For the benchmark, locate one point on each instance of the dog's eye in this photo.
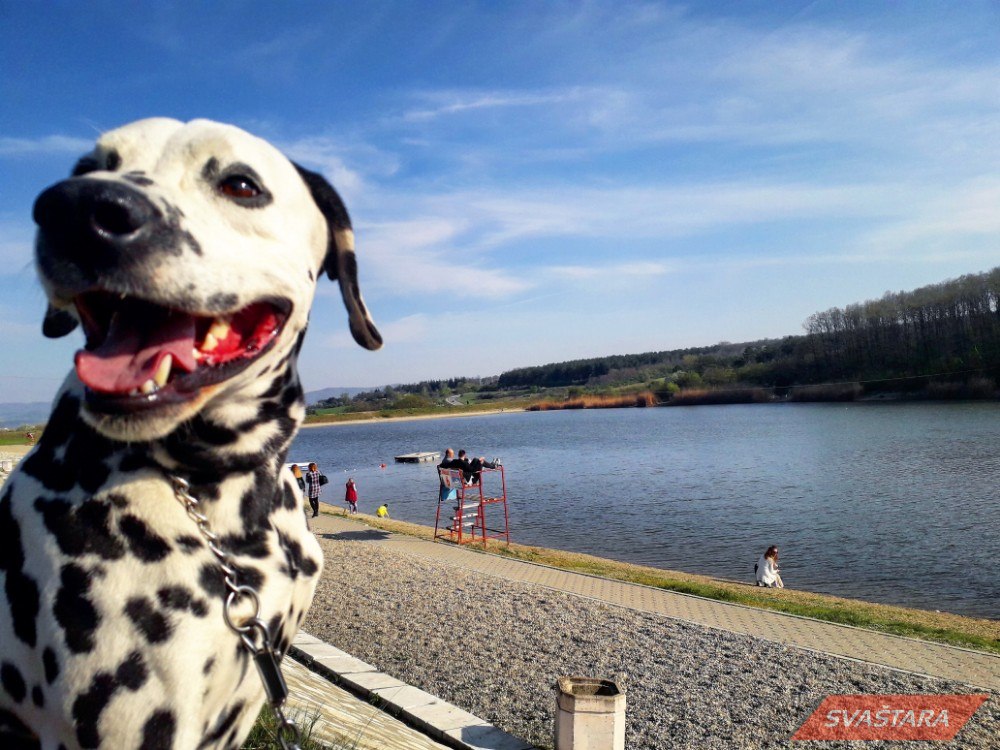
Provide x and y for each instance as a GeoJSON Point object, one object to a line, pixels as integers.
{"type": "Point", "coordinates": [239, 187]}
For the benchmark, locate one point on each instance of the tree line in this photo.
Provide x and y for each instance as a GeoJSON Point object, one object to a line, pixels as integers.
{"type": "Point", "coordinates": [945, 333]}
{"type": "Point", "coordinates": [938, 336]}
{"type": "Point", "coordinates": [947, 328]}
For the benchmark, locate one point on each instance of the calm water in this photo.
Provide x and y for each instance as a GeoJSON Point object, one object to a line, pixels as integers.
{"type": "Point", "coordinates": [893, 503]}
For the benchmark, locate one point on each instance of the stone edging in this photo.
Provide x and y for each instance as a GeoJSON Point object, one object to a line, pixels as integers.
{"type": "Point", "coordinates": [424, 712]}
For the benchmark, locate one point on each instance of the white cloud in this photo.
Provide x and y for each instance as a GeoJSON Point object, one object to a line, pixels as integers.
{"type": "Point", "coordinates": [15, 258]}
{"type": "Point", "coordinates": [16, 248]}
{"type": "Point", "coordinates": [951, 219]}
{"type": "Point", "coordinates": [486, 219]}
{"type": "Point", "coordinates": [428, 255]}
{"type": "Point", "coordinates": [44, 146]}
{"type": "Point", "coordinates": [612, 271]}
{"type": "Point", "coordinates": [451, 102]}
{"type": "Point", "coordinates": [409, 329]}
{"type": "Point", "coordinates": [323, 154]}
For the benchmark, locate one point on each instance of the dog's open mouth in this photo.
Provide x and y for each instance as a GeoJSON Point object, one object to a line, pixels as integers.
{"type": "Point", "coordinates": [140, 354]}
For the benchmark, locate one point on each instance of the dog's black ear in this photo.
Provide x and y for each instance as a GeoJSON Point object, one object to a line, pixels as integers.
{"type": "Point", "coordinates": [341, 264]}
{"type": "Point", "coordinates": [57, 323]}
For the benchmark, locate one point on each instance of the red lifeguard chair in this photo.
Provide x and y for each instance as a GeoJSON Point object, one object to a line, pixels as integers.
{"type": "Point", "coordinates": [468, 506]}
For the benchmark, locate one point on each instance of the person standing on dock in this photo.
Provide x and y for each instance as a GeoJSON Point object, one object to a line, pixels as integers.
{"type": "Point", "coordinates": [351, 497]}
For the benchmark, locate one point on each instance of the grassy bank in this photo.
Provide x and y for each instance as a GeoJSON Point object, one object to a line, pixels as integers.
{"type": "Point", "coordinates": [19, 436]}
{"type": "Point", "coordinates": [942, 627]}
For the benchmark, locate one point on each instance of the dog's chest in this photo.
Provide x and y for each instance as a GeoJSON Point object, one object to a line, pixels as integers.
{"type": "Point", "coordinates": [126, 614]}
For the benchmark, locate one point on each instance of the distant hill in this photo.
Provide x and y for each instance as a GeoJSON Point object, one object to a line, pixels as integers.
{"type": "Point", "coordinates": [313, 397]}
{"type": "Point", "coordinates": [36, 412]}
{"type": "Point", "coordinates": [15, 415]}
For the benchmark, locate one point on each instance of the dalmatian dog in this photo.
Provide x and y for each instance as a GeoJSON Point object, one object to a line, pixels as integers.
{"type": "Point", "coordinates": [189, 254]}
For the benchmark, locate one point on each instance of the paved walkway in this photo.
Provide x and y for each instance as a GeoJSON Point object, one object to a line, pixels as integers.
{"type": "Point", "coordinates": [971, 667]}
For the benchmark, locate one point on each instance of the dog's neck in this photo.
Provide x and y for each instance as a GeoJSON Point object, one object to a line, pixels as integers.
{"type": "Point", "coordinates": [248, 433]}
{"type": "Point", "coordinates": [248, 430]}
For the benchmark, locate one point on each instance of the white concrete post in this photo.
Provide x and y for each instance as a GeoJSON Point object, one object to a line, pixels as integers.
{"type": "Point", "coordinates": [590, 714]}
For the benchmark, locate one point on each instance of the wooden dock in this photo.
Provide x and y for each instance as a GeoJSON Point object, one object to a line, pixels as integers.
{"type": "Point", "coordinates": [418, 458]}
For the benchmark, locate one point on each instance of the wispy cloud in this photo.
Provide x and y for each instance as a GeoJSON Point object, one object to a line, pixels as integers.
{"type": "Point", "coordinates": [323, 154]}
{"type": "Point", "coordinates": [486, 219]}
{"type": "Point", "coordinates": [611, 271]}
{"type": "Point", "coordinates": [430, 255]}
{"type": "Point", "coordinates": [406, 330]}
{"type": "Point", "coordinates": [44, 146]}
{"type": "Point", "coordinates": [962, 215]}
{"type": "Point", "coordinates": [444, 103]}
{"type": "Point", "coordinates": [16, 254]}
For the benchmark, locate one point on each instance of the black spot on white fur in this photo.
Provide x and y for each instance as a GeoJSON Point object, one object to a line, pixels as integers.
{"type": "Point", "coordinates": [142, 541]}
{"type": "Point", "coordinates": [51, 664]}
{"type": "Point", "coordinates": [12, 681]}
{"type": "Point", "coordinates": [158, 731]}
{"type": "Point", "coordinates": [154, 625]}
{"type": "Point", "coordinates": [81, 529]}
{"type": "Point", "coordinates": [74, 611]}
{"type": "Point", "coordinates": [131, 675]}
{"type": "Point", "coordinates": [21, 589]}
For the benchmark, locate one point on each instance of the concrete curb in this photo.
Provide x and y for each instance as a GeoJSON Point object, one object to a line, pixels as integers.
{"type": "Point", "coordinates": [420, 710]}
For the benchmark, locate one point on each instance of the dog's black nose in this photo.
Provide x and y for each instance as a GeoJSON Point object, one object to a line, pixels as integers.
{"type": "Point", "coordinates": [89, 226]}
{"type": "Point", "coordinates": [85, 206]}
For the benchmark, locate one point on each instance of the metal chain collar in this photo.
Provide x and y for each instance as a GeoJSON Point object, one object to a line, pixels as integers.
{"type": "Point", "coordinates": [250, 628]}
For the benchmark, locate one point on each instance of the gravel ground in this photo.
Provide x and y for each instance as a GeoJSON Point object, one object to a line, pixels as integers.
{"type": "Point", "coordinates": [495, 647]}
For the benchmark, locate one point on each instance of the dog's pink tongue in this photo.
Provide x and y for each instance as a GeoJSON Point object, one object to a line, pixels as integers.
{"type": "Point", "coordinates": [131, 352]}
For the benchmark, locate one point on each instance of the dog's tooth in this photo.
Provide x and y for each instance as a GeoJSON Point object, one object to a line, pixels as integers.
{"type": "Point", "coordinates": [148, 387]}
{"type": "Point", "coordinates": [219, 329]}
{"type": "Point", "coordinates": [163, 371]}
{"type": "Point", "coordinates": [209, 343]}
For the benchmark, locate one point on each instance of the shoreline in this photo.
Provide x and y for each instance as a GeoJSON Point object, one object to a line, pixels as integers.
{"type": "Point", "coordinates": [411, 417]}
{"type": "Point", "coordinates": [975, 633]}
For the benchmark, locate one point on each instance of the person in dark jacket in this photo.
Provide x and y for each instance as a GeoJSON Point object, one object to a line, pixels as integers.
{"type": "Point", "coordinates": [471, 469]}
{"type": "Point", "coordinates": [315, 488]}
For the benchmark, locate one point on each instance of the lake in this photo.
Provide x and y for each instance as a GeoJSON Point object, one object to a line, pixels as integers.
{"type": "Point", "coordinates": [888, 502]}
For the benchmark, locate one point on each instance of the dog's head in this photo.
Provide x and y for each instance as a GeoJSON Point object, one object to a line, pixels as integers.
{"type": "Point", "coordinates": [189, 252]}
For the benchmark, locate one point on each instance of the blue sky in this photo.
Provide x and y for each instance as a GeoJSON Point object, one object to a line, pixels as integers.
{"type": "Point", "coordinates": [534, 182]}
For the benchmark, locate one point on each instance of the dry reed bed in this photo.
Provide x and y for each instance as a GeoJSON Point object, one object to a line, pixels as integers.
{"type": "Point", "coordinates": [646, 398]}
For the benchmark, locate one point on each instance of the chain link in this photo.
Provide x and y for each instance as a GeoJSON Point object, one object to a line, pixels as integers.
{"type": "Point", "coordinates": [250, 628]}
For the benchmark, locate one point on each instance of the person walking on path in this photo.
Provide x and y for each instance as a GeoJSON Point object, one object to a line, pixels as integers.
{"type": "Point", "coordinates": [383, 510]}
{"type": "Point", "coordinates": [767, 569]}
{"type": "Point", "coordinates": [352, 495]}
{"type": "Point", "coordinates": [313, 478]}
